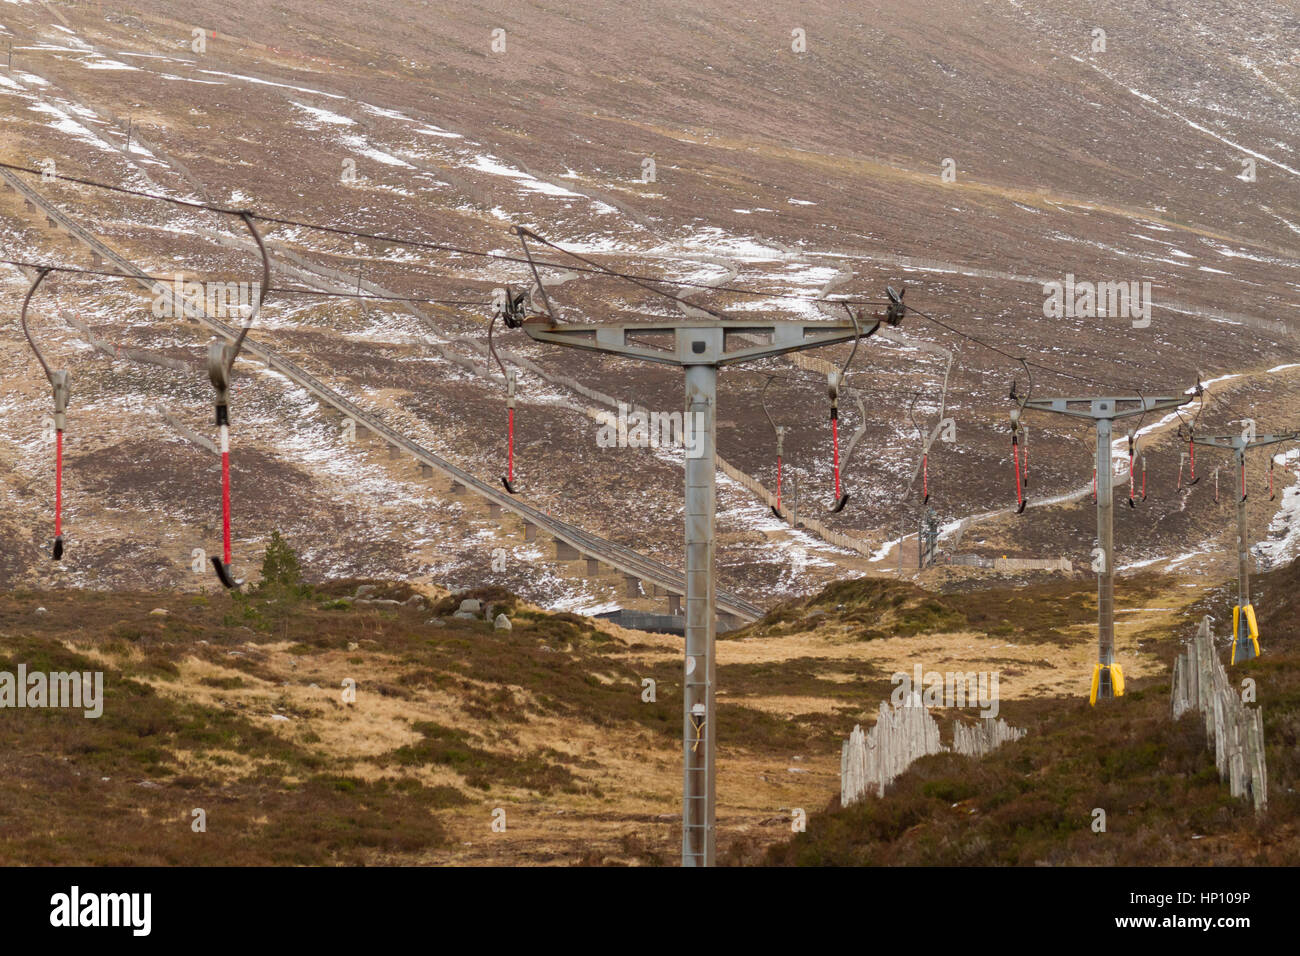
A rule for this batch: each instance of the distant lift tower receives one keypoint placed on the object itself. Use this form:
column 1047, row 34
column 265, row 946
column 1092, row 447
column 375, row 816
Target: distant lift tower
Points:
column 1107, row 676
column 700, row 347
column 1245, row 630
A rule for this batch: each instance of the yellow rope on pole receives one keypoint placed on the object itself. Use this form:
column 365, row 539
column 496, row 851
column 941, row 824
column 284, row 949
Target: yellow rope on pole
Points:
column 698, row 724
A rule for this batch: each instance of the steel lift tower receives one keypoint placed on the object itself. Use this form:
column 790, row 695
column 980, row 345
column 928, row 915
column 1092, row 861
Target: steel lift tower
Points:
column 1245, row 631
column 1107, row 676
column 699, row 347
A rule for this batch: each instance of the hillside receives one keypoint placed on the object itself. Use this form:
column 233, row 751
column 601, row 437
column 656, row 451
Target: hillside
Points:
column 1031, row 802
column 235, row 705
column 779, row 174
column 780, row 161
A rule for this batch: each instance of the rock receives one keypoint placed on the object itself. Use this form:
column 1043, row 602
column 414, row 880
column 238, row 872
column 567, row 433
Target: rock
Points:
column 279, row 717
column 466, row 616
column 502, row 623
column 795, row 770
column 353, row 645
column 41, row 610
column 158, row 612
column 471, row 605
column 379, row 601
column 365, row 590
column 416, row 600
column 548, row 649
column 150, row 785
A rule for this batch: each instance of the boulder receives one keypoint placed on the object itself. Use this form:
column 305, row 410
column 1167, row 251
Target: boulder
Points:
column 470, row 606
column 502, row 623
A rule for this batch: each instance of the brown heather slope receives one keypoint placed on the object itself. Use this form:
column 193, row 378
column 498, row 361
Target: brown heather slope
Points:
column 454, row 720
column 1032, row 802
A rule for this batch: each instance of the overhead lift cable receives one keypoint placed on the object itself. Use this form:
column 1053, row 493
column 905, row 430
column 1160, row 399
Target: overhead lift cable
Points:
column 413, row 243
column 503, row 257
column 1007, row 355
column 525, row 233
column 285, row 290
column 524, row 260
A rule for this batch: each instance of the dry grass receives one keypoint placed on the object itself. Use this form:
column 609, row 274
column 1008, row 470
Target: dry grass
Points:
column 454, row 720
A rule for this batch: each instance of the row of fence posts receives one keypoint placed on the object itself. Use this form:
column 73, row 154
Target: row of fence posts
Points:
column 871, row 760
column 904, row 733
column 1235, row 731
